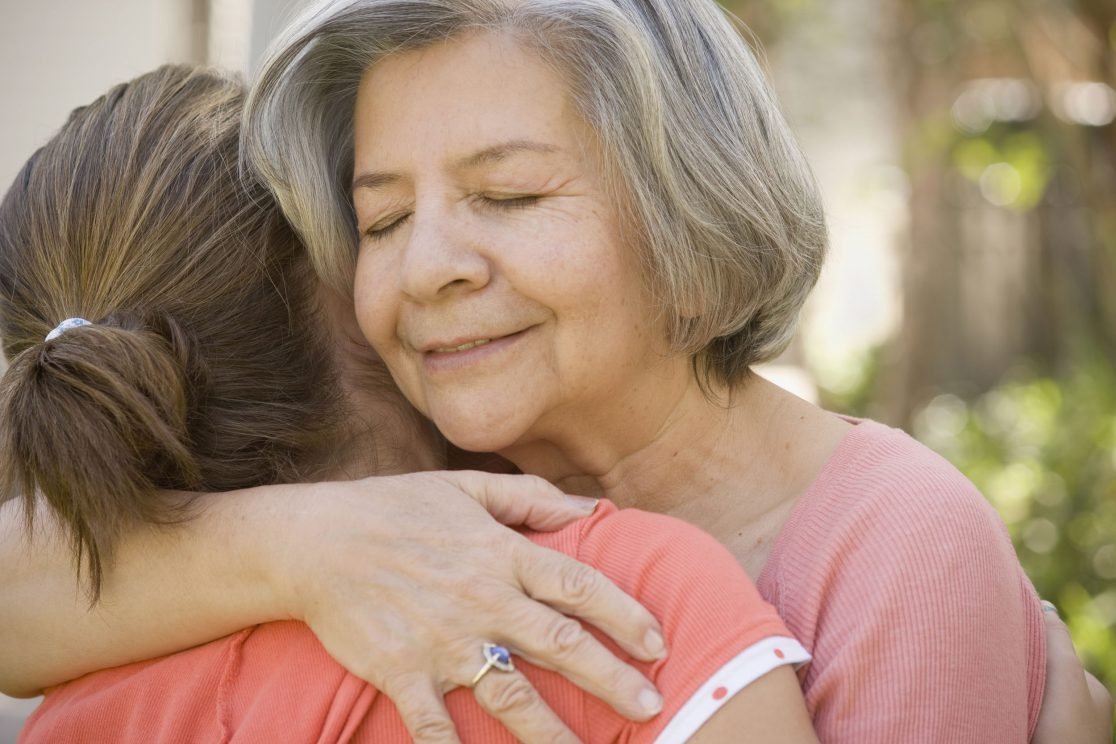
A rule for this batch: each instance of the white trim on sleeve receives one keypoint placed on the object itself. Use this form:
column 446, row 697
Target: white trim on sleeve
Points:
column 745, row 668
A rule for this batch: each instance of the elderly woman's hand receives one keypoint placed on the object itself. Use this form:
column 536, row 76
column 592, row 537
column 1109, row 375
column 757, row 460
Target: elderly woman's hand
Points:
column 403, row 579
column 1076, row 706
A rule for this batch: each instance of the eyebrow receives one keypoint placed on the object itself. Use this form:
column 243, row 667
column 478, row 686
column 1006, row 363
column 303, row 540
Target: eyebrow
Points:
column 502, row 151
column 494, row 154
column 375, row 180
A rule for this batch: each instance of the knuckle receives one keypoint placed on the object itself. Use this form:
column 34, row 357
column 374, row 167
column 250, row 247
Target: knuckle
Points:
column 392, row 651
column 430, row 727
column 538, row 484
column 395, row 685
column 622, row 678
column 563, row 636
column 427, row 723
column 513, row 695
column 580, row 583
column 510, row 546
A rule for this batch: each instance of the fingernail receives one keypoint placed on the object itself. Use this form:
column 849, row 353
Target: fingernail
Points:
column 1049, row 607
column 585, row 503
column 654, row 643
column 650, row 701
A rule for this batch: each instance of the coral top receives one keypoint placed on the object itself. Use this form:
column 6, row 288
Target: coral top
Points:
column 900, row 579
column 275, row 682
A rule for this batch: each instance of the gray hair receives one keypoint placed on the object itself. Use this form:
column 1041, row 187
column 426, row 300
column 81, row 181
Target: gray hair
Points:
column 721, row 202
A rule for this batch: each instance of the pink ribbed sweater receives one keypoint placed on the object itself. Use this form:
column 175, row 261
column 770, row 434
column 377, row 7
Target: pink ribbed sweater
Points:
column 900, row 579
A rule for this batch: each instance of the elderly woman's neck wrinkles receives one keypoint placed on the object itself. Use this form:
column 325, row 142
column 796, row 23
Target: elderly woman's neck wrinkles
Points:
column 735, row 470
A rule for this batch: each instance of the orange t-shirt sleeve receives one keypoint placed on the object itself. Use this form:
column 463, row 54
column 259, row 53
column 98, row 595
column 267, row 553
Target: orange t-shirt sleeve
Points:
column 172, row 698
column 720, row 633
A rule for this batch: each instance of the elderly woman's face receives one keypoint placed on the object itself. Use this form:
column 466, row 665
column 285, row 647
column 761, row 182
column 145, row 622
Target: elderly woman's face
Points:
column 493, row 277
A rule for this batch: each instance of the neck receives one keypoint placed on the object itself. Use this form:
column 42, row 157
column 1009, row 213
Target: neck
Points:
column 721, row 461
column 383, row 434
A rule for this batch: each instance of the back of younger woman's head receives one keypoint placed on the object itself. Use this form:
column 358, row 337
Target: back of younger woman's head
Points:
column 205, row 367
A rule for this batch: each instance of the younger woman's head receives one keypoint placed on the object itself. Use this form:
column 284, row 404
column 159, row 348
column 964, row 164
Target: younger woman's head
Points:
column 206, row 364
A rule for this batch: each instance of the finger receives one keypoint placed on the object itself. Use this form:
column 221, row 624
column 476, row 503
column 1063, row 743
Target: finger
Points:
column 1059, row 645
column 579, row 590
column 511, row 699
column 1074, row 700
column 560, row 643
column 1102, row 703
column 524, row 500
column 422, row 708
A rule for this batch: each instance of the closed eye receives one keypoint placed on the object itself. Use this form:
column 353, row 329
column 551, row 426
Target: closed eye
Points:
column 384, row 228
column 494, row 201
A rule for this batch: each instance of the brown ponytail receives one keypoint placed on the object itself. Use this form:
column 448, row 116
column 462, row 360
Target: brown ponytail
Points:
column 206, row 366
column 128, row 389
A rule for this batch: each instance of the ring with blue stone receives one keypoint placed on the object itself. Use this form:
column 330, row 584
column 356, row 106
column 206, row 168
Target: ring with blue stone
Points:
column 495, row 657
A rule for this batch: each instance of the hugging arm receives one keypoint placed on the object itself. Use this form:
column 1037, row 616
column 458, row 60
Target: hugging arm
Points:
column 1076, row 706
column 770, row 709
column 334, row 556
column 173, row 588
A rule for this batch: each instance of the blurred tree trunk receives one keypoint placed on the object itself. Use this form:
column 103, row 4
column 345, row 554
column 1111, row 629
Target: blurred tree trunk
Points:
column 988, row 286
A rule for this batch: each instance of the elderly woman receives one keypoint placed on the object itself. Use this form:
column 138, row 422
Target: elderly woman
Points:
column 579, row 224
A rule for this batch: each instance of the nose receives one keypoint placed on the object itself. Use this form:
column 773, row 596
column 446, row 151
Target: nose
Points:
column 440, row 258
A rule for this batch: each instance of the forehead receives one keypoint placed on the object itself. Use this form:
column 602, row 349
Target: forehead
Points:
column 460, row 96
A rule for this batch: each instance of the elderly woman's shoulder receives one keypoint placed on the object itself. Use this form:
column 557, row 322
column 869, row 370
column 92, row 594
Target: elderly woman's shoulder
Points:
column 894, row 570
column 883, row 475
column 889, row 516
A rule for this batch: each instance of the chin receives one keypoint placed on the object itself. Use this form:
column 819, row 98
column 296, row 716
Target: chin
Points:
column 472, row 442
column 477, row 433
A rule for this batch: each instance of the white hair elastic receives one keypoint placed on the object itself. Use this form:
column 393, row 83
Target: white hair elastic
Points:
column 66, row 325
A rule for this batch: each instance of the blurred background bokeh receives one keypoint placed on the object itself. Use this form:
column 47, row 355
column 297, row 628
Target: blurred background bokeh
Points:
column 967, row 153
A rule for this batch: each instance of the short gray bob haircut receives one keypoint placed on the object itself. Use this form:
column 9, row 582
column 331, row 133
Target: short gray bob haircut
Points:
column 716, row 193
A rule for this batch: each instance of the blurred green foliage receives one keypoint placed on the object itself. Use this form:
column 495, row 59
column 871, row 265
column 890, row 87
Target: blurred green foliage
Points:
column 1012, row 168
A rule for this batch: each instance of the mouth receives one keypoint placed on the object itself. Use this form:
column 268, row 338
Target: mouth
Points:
column 457, row 354
column 460, row 347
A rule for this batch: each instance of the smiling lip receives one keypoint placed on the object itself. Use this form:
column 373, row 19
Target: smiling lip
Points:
column 460, row 347
column 456, row 354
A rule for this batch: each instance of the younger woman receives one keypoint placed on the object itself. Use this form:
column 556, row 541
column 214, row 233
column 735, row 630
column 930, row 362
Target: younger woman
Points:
column 166, row 336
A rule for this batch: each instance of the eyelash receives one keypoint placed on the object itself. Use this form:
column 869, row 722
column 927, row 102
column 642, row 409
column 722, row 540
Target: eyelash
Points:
column 517, row 202
column 374, row 233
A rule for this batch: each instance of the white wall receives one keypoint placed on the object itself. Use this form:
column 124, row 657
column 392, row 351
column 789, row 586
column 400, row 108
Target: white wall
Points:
column 269, row 17
column 56, row 55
